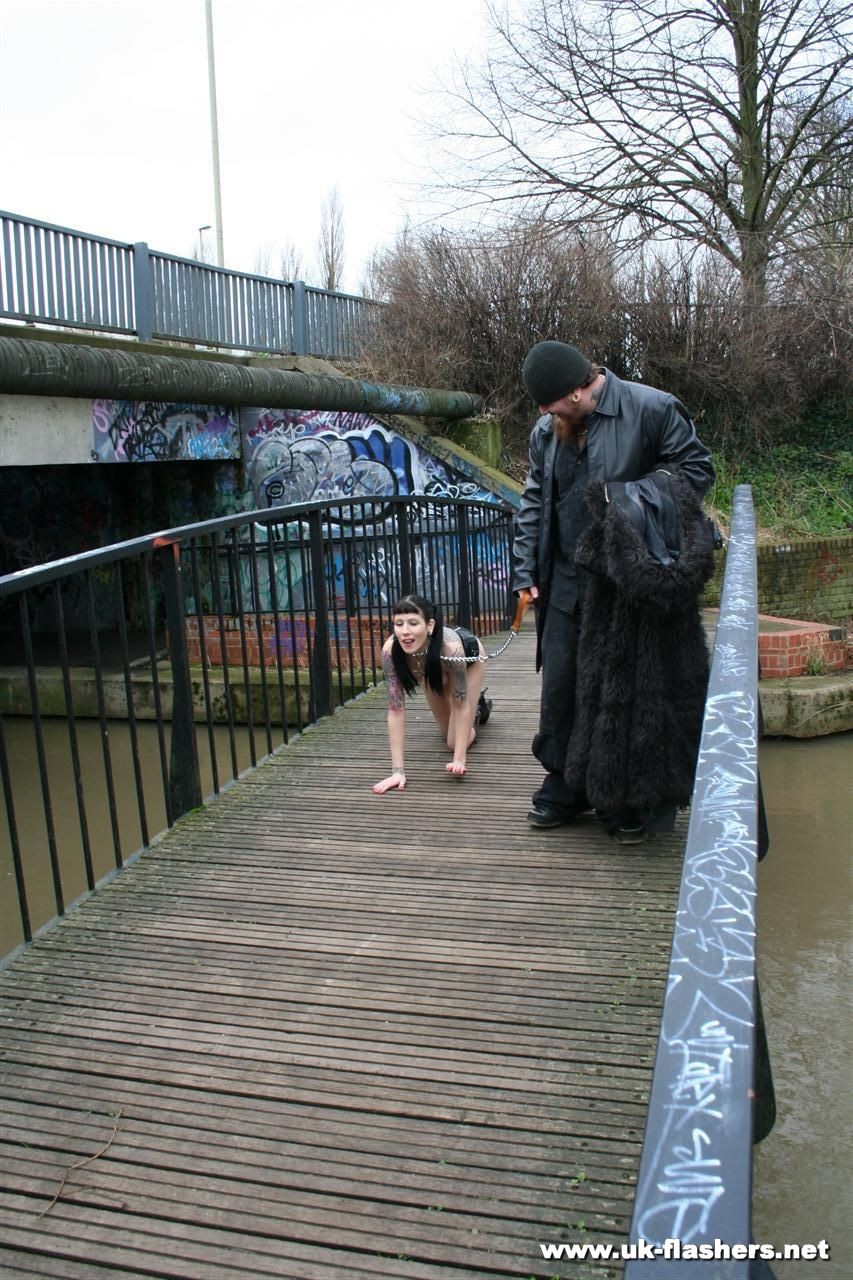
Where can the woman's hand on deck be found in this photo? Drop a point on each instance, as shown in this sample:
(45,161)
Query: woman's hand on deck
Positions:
(396,779)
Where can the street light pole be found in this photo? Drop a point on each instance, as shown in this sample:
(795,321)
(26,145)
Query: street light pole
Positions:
(201,232)
(214,133)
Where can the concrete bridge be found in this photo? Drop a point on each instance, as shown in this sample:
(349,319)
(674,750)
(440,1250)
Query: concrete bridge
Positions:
(102,440)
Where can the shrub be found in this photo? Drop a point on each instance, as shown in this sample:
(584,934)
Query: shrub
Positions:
(463,310)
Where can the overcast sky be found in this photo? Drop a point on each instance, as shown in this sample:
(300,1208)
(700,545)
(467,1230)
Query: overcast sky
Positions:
(105,117)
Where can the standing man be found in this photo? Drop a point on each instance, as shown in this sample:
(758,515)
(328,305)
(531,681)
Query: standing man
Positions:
(594,427)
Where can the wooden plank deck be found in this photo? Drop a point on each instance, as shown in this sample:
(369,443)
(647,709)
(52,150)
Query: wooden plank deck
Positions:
(316,1033)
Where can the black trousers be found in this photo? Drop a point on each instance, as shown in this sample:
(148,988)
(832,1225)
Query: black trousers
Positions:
(557,707)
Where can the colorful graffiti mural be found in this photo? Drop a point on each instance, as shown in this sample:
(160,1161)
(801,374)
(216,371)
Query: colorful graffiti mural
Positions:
(152,431)
(274,458)
(270,568)
(298,455)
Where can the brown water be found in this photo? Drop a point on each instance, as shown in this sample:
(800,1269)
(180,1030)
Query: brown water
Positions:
(801,1170)
(29,808)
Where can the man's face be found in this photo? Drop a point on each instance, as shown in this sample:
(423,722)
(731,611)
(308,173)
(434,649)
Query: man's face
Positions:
(564,408)
(566,411)
(570,412)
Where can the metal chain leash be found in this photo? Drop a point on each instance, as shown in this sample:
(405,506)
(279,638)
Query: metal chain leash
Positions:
(523,602)
(479,657)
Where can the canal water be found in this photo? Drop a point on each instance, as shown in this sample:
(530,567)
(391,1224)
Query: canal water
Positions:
(801,1190)
(29,805)
(801,1171)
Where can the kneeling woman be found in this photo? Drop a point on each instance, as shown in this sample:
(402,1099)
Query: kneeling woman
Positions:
(420,652)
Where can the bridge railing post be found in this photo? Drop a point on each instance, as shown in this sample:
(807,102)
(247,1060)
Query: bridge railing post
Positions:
(404,544)
(184,776)
(299,318)
(143,292)
(463,613)
(320,696)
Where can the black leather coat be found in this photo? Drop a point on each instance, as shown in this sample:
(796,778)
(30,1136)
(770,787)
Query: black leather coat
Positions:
(634,430)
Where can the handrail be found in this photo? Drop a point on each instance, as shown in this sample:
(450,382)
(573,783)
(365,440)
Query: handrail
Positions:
(695,1180)
(55,275)
(36,575)
(248,626)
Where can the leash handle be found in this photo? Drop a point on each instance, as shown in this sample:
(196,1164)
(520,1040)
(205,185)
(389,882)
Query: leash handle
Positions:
(523,603)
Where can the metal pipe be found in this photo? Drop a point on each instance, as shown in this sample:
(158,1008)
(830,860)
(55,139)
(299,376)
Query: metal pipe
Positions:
(29,367)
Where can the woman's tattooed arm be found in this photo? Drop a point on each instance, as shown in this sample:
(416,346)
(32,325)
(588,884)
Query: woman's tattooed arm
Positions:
(392,680)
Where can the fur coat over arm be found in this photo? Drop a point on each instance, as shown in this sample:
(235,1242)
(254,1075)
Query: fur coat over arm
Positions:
(643,659)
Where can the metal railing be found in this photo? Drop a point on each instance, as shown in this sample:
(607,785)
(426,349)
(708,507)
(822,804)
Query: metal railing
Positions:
(54,275)
(195,653)
(712,1093)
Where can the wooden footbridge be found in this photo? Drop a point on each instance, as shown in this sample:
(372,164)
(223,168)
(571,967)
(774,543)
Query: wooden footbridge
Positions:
(314,1033)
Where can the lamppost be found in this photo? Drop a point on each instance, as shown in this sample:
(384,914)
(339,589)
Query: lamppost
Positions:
(201,232)
(214,133)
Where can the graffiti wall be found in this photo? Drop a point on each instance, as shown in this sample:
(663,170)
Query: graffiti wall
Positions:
(264,567)
(301,455)
(269,458)
(152,431)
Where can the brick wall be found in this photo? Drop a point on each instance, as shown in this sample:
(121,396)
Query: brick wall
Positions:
(353,642)
(800,649)
(808,578)
(349,639)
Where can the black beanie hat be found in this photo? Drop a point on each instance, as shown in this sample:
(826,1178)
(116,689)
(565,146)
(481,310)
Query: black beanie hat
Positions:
(552,369)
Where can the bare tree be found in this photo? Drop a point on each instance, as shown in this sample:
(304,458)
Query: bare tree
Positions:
(263,259)
(330,243)
(290,262)
(716,124)
(462,310)
(371,284)
(202,249)
(824,236)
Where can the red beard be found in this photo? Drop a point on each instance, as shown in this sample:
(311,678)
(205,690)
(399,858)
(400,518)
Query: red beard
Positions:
(565,430)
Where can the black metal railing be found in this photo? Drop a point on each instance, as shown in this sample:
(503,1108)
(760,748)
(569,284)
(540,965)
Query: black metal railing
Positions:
(140,678)
(712,1094)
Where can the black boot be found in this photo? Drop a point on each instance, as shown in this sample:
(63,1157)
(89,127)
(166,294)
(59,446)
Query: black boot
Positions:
(483,711)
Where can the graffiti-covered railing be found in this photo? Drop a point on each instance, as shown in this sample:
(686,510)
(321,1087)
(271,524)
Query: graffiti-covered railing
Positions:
(712,1093)
(54,275)
(138,679)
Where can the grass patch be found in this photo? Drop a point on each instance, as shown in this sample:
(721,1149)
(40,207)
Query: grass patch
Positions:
(802,482)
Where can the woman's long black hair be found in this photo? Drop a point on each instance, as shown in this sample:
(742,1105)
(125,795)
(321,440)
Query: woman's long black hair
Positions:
(432,668)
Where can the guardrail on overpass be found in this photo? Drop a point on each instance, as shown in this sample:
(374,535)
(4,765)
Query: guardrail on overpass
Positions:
(57,276)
